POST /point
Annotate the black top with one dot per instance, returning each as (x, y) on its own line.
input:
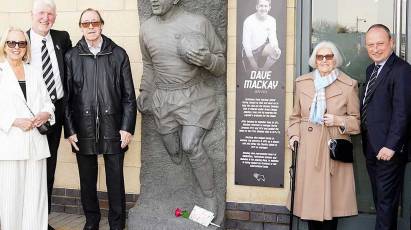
(23, 88)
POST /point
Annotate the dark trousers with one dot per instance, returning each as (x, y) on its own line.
(323, 225)
(53, 139)
(387, 179)
(88, 170)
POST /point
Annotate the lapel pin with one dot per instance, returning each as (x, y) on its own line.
(58, 47)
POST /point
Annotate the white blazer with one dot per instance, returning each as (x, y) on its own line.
(15, 143)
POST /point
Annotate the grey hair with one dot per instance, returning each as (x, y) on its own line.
(325, 44)
(39, 3)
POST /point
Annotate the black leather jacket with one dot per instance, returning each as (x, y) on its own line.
(99, 97)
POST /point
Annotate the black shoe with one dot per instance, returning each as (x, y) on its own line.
(117, 228)
(90, 227)
(50, 228)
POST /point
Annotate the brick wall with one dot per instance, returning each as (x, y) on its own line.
(68, 201)
(256, 216)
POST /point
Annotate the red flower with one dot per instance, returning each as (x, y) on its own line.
(178, 212)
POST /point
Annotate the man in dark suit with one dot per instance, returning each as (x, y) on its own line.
(48, 48)
(384, 119)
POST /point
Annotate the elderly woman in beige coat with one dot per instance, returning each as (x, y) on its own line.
(326, 104)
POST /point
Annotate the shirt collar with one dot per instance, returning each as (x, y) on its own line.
(37, 37)
(381, 64)
(98, 46)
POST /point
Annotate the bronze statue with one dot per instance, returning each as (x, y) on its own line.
(180, 50)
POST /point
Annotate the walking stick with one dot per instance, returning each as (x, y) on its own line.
(293, 170)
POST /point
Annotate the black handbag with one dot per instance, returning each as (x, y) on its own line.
(45, 128)
(341, 150)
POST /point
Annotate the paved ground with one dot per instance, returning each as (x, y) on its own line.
(64, 221)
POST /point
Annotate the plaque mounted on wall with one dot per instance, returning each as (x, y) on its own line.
(260, 94)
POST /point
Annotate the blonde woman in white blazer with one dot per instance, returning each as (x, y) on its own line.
(23, 152)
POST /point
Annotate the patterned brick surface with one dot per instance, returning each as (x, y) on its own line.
(238, 216)
(68, 201)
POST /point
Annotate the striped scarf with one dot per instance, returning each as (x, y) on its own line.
(319, 105)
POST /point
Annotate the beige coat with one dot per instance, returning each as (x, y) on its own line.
(324, 188)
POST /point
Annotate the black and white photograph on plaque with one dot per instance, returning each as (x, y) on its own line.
(260, 94)
(260, 44)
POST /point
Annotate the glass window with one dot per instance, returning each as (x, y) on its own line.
(344, 22)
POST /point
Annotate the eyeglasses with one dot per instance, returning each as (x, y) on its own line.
(87, 24)
(327, 57)
(20, 44)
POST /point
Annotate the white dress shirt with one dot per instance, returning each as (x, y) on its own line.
(36, 44)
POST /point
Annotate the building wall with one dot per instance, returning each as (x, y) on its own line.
(122, 25)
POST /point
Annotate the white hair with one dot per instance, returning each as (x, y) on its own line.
(37, 4)
(327, 45)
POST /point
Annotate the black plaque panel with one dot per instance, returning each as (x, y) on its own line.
(260, 106)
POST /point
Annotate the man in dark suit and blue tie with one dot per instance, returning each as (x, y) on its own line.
(48, 48)
(384, 120)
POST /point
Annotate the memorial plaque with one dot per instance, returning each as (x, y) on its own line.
(260, 95)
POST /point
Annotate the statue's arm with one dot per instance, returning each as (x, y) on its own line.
(144, 100)
(218, 62)
(147, 80)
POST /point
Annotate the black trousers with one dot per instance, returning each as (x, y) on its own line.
(387, 178)
(323, 225)
(53, 139)
(88, 170)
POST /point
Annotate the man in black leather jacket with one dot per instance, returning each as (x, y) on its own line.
(100, 116)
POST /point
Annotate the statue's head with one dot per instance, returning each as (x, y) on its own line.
(161, 7)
